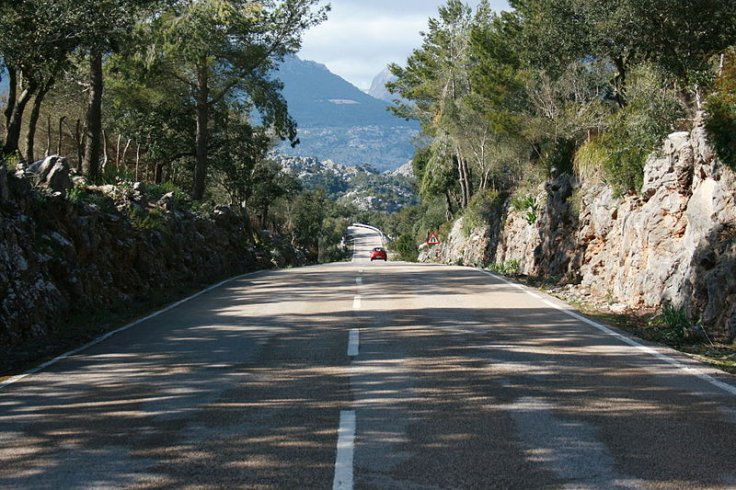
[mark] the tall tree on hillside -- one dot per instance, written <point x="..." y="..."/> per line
<point x="221" y="48"/>
<point x="104" y="25"/>
<point x="435" y="79"/>
<point x="36" y="38"/>
<point x="678" y="35"/>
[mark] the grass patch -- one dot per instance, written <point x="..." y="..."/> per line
<point x="668" y="328"/>
<point x="508" y="268"/>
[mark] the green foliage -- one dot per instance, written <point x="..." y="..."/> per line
<point x="638" y="129"/>
<point x="720" y="108"/>
<point x="483" y="207"/>
<point x="527" y="206"/>
<point x="406" y="247"/>
<point x="148" y="219"/>
<point x="155" y="192"/>
<point x="508" y="268"/>
<point x="84" y="196"/>
<point x="589" y="159"/>
<point x="331" y="238"/>
<point x="676" y="324"/>
<point x="11" y="162"/>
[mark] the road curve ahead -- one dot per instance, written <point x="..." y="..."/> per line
<point x="373" y="376"/>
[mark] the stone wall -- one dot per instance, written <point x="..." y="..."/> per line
<point x="60" y="257"/>
<point x="674" y="242"/>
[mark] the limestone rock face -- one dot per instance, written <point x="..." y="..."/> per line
<point x="461" y="247"/>
<point x="674" y="242"/>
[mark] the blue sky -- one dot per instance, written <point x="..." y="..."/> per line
<point x="361" y="37"/>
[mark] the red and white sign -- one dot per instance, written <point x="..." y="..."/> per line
<point x="433" y="239"/>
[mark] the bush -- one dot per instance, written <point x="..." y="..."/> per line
<point x="676" y="325"/>
<point x="150" y="219"/>
<point x="407" y="248"/>
<point x="508" y="268"/>
<point x="481" y="210"/>
<point x="720" y="121"/>
<point x="154" y="192"/>
<point x="638" y="129"/>
<point x="527" y="206"/>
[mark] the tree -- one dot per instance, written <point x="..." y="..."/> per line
<point x="34" y="49"/>
<point x="435" y="79"/>
<point x="104" y="25"/>
<point x="217" y="48"/>
<point x="309" y="211"/>
<point x="679" y="36"/>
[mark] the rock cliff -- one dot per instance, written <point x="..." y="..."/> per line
<point x="672" y="243"/>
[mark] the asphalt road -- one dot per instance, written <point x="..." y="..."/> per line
<point x="369" y="375"/>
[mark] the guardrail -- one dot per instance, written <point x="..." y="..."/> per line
<point x="372" y="228"/>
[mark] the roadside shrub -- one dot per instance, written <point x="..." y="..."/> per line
<point x="148" y="219"/>
<point x="526" y="205"/>
<point x="720" y="121"/>
<point x="154" y="192"/>
<point x="482" y="209"/>
<point x="638" y="129"/>
<point x="589" y="159"/>
<point x="406" y="247"/>
<point x="508" y="268"/>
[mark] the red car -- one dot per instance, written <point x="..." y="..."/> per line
<point x="379" y="253"/>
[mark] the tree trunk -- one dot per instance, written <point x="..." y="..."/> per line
<point x="47" y="152"/>
<point x="12" y="94"/>
<point x="93" y="143"/>
<point x="117" y="151"/>
<point x="33" y="121"/>
<point x="12" y="137"/>
<point x="137" y="158"/>
<point x="158" y="176"/>
<point x="620" y="82"/>
<point x="104" y="151"/>
<point x="449" y="211"/>
<point x="202" y="99"/>
<point x="465" y="180"/>
<point x="4" y="190"/>
<point x="79" y="140"/>
<point x="61" y="128"/>
<point x="125" y="151"/>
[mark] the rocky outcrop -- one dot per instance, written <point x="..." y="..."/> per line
<point x="107" y="248"/>
<point x="53" y="172"/>
<point x="673" y="242"/>
<point x="462" y="246"/>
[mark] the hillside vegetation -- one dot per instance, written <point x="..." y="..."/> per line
<point x="585" y="143"/>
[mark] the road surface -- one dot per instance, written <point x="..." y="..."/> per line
<point x="373" y="376"/>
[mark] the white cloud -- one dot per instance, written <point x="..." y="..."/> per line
<point x="361" y="37"/>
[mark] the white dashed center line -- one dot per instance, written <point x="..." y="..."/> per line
<point x="345" y="449"/>
<point x="353" y="342"/>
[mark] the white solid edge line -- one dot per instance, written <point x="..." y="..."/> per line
<point x="674" y="362"/>
<point x="345" y="450"/>
<point x="353" y="342"/>
<point x="103" y="337"/>
<point x="357" y="302"/>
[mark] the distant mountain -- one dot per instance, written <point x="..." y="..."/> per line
<point x="339" y="122"/>
<point x="378" y="86"/>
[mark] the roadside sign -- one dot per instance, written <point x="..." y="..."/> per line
<point x="433" y="239"/>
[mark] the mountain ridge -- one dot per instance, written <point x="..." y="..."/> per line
<point x="337" y="121"/>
